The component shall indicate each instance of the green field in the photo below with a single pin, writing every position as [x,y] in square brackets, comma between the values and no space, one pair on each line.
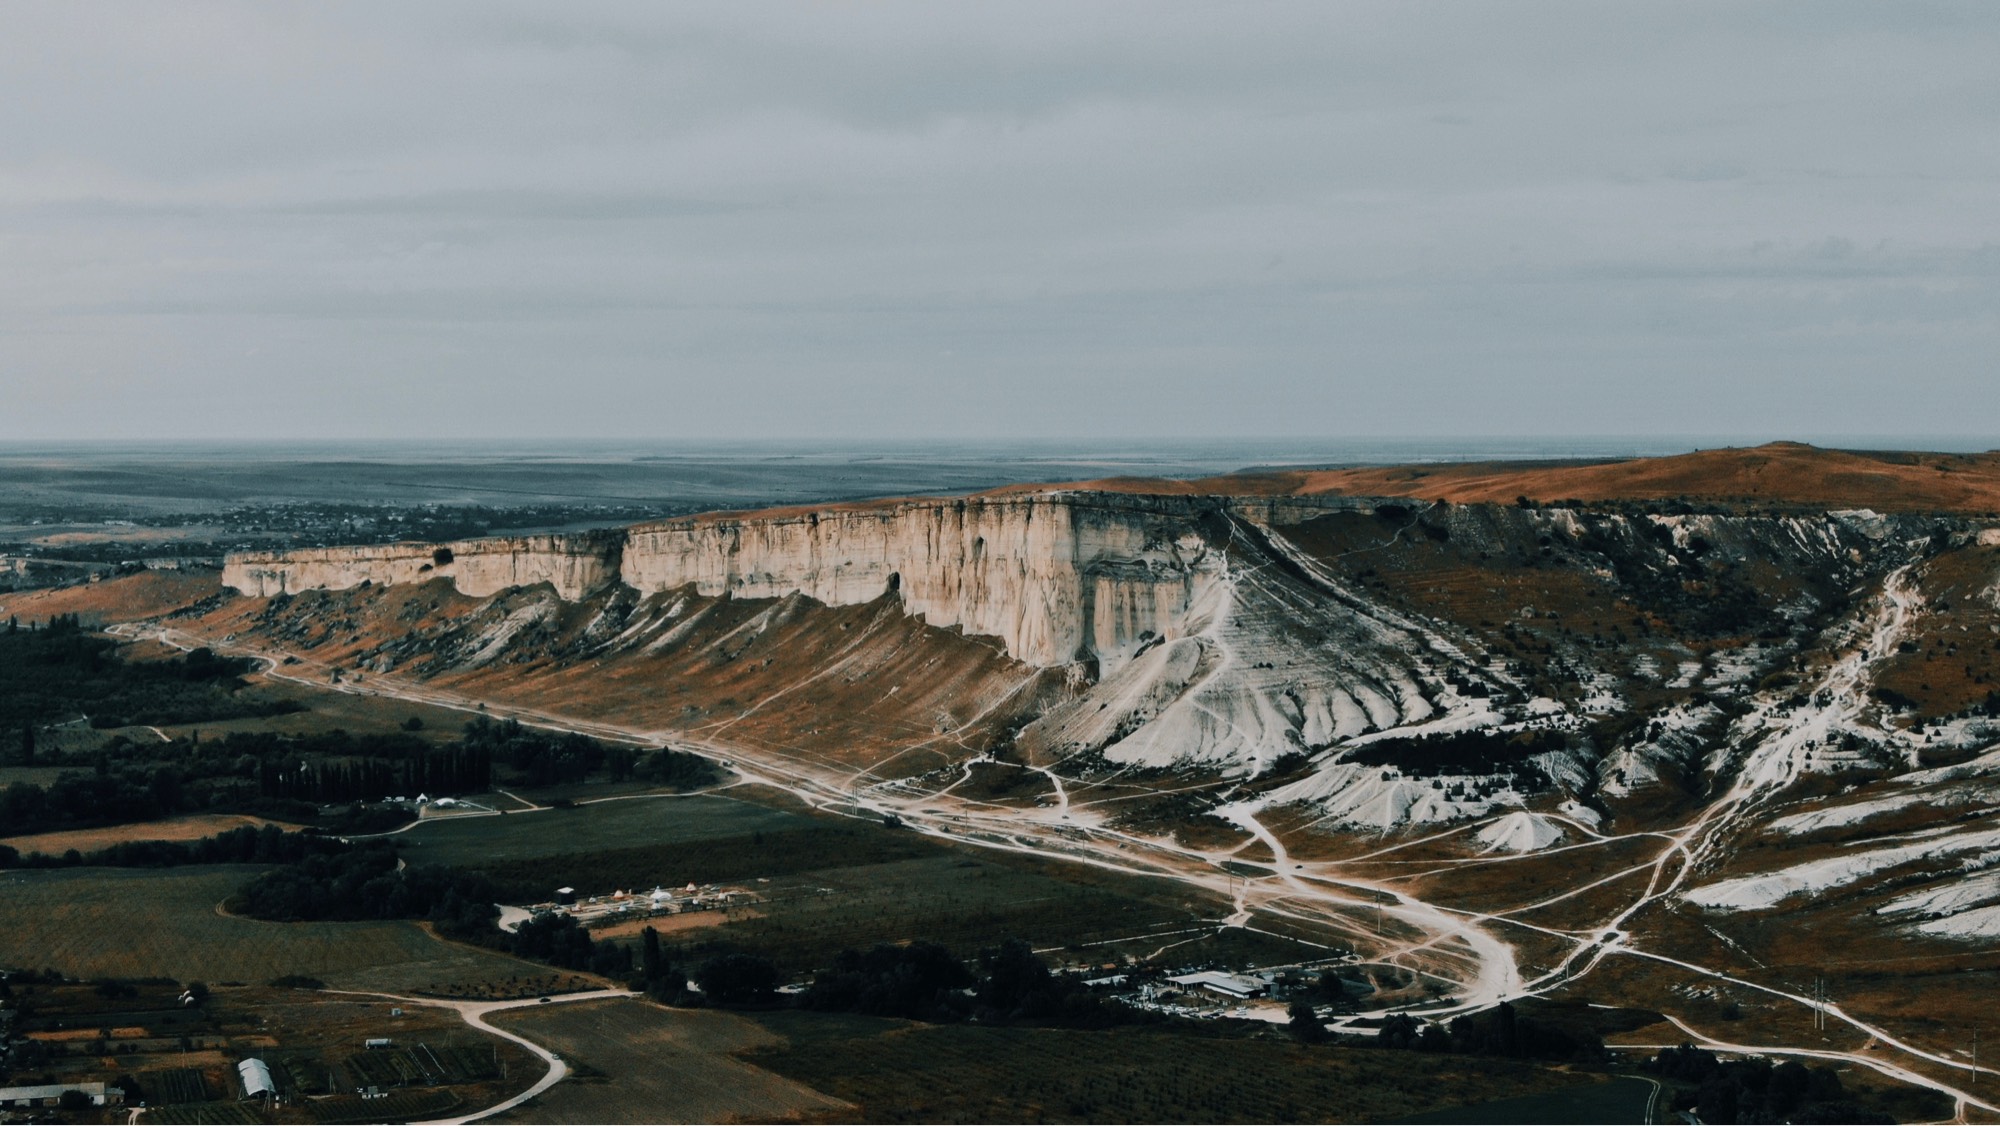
[964,900]
[1622,1099]
[637,1062]
[482,841]
[326,711]
[99,922]
[732,859]
[826,883]
[894,1071]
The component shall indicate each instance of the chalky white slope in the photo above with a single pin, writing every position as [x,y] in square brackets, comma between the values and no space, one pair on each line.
[1277,659]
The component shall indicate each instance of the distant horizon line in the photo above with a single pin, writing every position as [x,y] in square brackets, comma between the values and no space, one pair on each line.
[1954,442]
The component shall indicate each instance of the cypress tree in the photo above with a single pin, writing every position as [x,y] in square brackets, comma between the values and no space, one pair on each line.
[649,955]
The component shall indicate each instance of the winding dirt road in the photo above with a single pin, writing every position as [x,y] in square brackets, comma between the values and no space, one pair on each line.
[1460,946]
[475,1013]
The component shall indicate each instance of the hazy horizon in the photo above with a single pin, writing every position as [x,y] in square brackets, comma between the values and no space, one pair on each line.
[1104,222]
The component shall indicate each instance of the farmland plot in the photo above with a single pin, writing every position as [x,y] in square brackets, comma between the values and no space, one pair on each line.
[597,827]
[103,922]
[890,1069]
[638,1062]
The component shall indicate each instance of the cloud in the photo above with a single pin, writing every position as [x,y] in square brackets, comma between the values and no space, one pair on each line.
[1124,220]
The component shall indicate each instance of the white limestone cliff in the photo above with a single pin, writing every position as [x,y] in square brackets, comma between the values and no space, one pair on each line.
[576,565]
[1058,578]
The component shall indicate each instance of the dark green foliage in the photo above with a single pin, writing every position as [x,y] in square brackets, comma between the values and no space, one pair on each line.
[267,844]
[681,770]
[920,981]
[361,882]
[339,767]
[737,979]
[362,819]
[736,857]
[1753,1090]
[1465,752]
[297,981]
[555,939]
[543,758]
[1498,1031]
[658,976]
[62,672]
[255,772]
[364,881]
[1895,700]
[1305,1025]
[650,962]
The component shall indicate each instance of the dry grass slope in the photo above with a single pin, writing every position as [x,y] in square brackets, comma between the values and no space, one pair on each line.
[1787,473]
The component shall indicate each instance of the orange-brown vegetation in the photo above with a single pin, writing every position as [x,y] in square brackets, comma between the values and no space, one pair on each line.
[125,598]
[191,828]
[1951,655]
[864,685]
[1781,473]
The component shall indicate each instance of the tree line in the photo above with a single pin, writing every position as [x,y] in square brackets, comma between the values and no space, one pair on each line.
[62,671]
[248,844]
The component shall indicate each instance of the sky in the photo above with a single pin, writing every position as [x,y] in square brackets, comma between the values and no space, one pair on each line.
[1109,221]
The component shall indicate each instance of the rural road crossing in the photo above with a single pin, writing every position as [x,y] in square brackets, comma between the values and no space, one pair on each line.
[1772,764]
[474,1013]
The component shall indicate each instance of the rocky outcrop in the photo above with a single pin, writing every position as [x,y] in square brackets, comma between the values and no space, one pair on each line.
[1056,578]
[1059,578]
[575,565]
[1232,634]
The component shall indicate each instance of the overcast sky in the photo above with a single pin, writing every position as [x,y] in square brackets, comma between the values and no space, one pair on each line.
[1001,220]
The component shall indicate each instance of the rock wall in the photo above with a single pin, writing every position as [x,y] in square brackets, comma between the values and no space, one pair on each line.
[575,565]
[1058,577]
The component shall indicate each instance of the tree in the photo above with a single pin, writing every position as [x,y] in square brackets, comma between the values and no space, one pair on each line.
[1012,977]
[920,981]
[27,744]
[736,979]
[1305,1024]
[649,955]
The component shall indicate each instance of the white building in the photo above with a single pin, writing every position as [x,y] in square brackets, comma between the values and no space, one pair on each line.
[1229,985]
[48,1094]
[256,1078]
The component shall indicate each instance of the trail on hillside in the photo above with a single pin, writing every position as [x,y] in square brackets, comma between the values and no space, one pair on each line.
[1450,944]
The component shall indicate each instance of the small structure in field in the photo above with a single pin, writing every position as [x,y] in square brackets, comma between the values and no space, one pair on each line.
[50,1094]
[256,1079]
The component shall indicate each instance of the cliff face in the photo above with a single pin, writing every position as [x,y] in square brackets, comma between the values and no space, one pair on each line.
[575,565]
[1058,578]
[1226,634]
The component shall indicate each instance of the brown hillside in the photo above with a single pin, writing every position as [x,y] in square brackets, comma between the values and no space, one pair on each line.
[1783,473]
[123,599]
